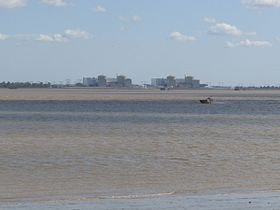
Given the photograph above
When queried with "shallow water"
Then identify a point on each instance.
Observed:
(63, 149)
(244, 201)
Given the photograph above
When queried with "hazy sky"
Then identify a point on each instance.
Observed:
(219, 41)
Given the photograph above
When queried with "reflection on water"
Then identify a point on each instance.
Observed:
(105, 148)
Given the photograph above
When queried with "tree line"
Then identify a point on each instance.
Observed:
(15, 85)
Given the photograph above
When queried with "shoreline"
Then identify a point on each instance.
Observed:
(136, 196)
(134, 94)
(226, 201)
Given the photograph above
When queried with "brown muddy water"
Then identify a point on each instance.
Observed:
(62, 149)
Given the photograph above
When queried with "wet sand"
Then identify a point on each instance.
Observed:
(135, 94)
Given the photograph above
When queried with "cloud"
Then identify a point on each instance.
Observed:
(222, 28)
(134, 18)
(4, 37)
(249, 43)
(52, 38)
(261, 3)
(12, 3)
(209, 20)
(64, 37)
(181, 37)
(67, 35)
(56, 3)
(250, 33)
(100, 8)
(225, 29)
(20, 3)
(77, 34)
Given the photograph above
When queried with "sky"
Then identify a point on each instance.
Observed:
(220, 42)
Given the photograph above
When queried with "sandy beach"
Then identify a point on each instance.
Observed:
(135, 94)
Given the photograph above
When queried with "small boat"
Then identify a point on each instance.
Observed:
(208, 100)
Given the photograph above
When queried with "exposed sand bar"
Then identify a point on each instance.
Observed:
(135, 94)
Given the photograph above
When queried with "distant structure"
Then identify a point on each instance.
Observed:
(172, 82)
(88, 81)
(103, 81)
(158, 82)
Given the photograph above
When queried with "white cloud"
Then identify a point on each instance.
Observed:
(64, 37)
(52, 38)
(56, 3)
(181, 37)
(261, 3)
(209, 20)
(100, 8)
(77, 34)
(67, 35)
(225, 29)
(249, 43)
(12, 3)
(4, 37)
(222, 28)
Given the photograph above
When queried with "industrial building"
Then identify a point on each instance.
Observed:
(89, 81)
(172, 82)
(103, 81)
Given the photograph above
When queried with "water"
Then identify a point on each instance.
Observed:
(238, 107)
(103, 149)
(256, 201)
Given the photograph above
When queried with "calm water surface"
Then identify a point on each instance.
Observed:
(97, 149)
